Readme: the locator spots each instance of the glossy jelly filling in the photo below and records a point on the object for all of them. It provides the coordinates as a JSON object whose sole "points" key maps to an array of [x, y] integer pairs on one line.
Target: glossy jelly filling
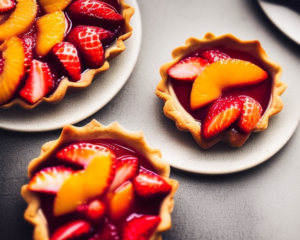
{"points": [[261, 92]]}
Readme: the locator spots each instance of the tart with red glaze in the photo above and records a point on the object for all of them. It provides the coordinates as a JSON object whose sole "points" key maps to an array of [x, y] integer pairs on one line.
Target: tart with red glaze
{"points": [[221, 89], [99, 182], [48, 47]]}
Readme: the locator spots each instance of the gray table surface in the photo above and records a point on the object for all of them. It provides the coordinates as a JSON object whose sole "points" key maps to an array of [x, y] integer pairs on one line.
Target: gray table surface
{"points": [[261, 203]]}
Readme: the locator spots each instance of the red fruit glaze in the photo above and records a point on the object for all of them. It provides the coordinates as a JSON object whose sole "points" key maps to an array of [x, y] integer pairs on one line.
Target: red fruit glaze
{"points": [[140, 227], [188, 69], [221, 115], [68, 56], [107, 231], [150, 185], [89, 45], [71, 230], [1, 65], [94, 211], [39, 82], [251, 114], [214, 55], [6, 5]]}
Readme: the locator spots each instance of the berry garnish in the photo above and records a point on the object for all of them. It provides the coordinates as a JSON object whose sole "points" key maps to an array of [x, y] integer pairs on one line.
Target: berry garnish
{"points": [[214, 55], [68, 56], [50, 6], [251, 114], [220, 116], [107, 232], [94, 211], [49, 180], [188, 69], [150, 185], [29, 41], [13, 58], [6, 5], [88, 43], [39, 83], [222, 75], [72, 230], [140, 227]]}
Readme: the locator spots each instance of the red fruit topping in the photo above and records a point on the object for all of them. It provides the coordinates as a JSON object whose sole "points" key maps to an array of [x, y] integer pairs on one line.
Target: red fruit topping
{"points": [[39, 83], [214, 55], [94, 10], [221, 115], [6, 5], [140, 227], [251, 114], [105, 36], [1, 65], [89, 45], [94, 211], [107, 232], [72, 230], [49, 180], [148, 185], [81, 153], [126, 169], [29, 42], [68, 56], [188, 69]]}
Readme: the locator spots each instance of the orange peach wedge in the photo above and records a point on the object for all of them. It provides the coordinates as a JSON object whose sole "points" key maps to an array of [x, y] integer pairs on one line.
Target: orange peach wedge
{"points": [[222, 75], [85, 185], [50, 6]]}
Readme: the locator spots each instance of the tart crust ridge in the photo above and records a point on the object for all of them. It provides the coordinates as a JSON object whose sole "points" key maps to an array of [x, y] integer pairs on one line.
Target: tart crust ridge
{"points": [[94, 130], [184, 121]]}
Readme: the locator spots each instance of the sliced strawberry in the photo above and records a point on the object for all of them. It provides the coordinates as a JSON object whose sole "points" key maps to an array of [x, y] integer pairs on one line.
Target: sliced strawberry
{"points": [[150, 185], [107, 232], [1, 65], [126, 168], [81, 153], [97, 11], [68, 57], [221, 115], [89, 45], [140, 227], [39, 83], [214, 55], [49, 180], [6, 5], [29, 42], [188, 69], [72, 230], [93, 211], [251, 114]]}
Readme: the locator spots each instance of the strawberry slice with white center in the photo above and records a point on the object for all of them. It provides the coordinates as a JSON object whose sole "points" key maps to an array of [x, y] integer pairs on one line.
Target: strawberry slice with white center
{"points": [[6, 5], [39, 83], [29, 43], [251, 114], [72, 230], [140, 227], [150, 185], [126, 169], [81, 154], [220, 116], [68, 57], [188, 69], [89, 45], [49, 180], [214, 55]]}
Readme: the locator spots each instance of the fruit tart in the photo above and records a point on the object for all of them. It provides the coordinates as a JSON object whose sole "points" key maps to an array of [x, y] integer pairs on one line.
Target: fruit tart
{"points": [[48, 47], [221, 89], [99, 182]]}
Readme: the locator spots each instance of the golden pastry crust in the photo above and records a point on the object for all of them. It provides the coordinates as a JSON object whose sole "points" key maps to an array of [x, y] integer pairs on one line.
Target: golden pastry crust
{"points": [[86, 78], [184, 121], [92, 131]]}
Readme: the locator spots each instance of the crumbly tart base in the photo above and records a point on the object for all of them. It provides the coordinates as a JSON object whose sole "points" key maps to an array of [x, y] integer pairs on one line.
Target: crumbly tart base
{"points": [[184, 121], [92, 131], [88, 76]]}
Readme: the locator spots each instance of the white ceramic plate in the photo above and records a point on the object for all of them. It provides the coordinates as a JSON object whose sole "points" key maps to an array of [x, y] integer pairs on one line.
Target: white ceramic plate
{"points": [[286, 19], [82, 104]]}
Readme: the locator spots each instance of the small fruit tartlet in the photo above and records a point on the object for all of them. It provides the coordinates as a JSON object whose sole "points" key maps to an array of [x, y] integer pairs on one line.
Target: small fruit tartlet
{"points": [[99, 182], [48, 47], [221, 89]]}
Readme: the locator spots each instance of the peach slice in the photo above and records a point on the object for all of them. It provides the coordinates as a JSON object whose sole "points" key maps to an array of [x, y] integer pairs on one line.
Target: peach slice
{"points": [[50, 31], [50, 6], [13, 55], [20, 21], [222, 75], [85, 185], [121, 201]]}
